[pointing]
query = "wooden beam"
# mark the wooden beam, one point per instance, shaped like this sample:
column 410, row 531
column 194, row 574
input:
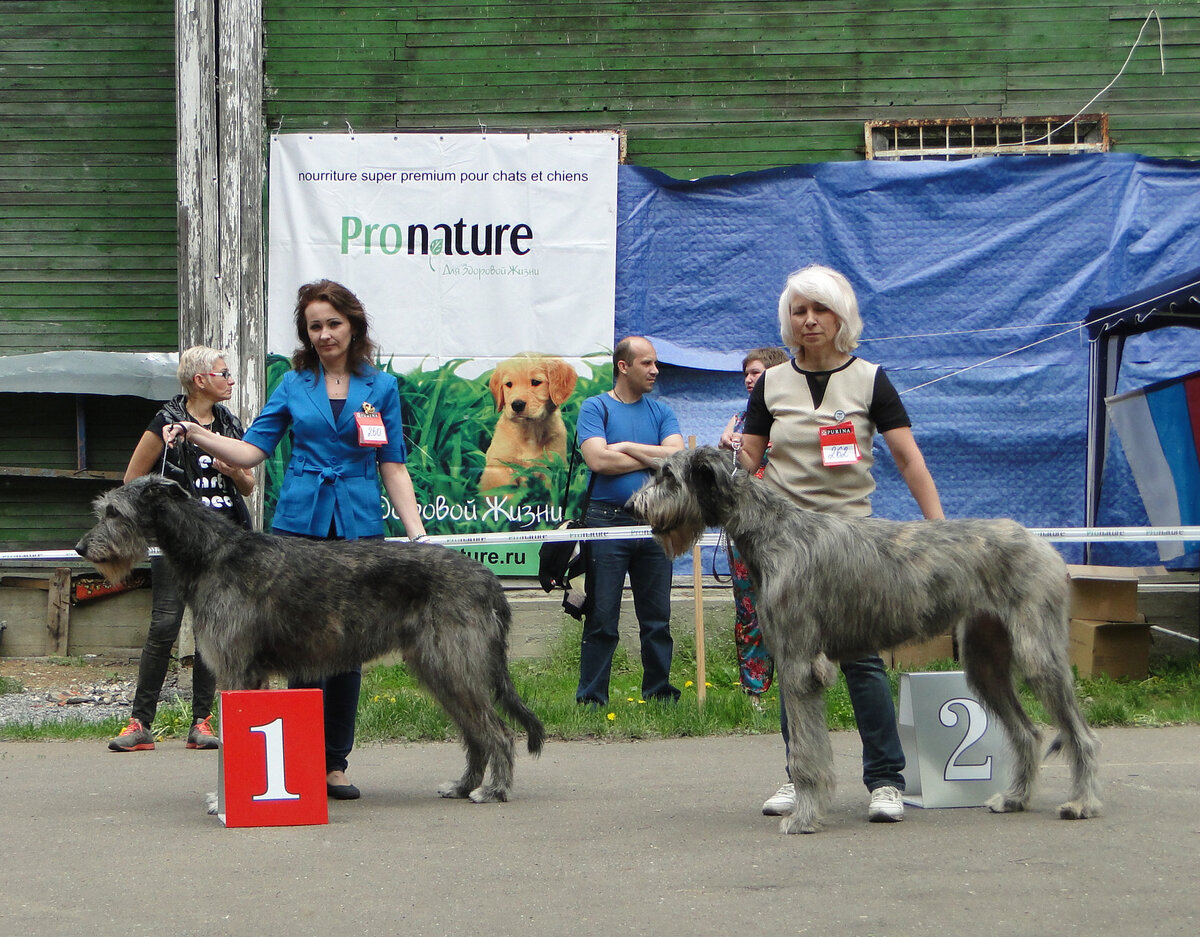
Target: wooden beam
column 58, row 611
column 220, row 156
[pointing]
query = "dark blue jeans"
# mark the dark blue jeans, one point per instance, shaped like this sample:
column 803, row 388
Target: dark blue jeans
column 871, row 698
column 340, row 703
column 339, row 699
column 166, row 615
column 649, row 571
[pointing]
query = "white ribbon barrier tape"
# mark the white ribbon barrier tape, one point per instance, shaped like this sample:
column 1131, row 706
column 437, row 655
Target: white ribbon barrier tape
column 1060, row 534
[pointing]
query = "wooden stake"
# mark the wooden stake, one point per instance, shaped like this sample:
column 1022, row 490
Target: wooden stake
column 58, row 611
column 698, row 598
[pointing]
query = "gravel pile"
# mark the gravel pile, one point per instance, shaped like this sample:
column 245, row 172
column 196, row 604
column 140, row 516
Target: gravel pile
column 86, row 702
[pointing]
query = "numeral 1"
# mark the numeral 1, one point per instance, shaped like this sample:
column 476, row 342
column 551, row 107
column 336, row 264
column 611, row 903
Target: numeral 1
column 272, row 734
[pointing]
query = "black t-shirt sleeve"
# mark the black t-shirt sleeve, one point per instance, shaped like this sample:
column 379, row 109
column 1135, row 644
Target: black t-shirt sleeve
column 887, row 410
column 157, row 424
column 758, row 417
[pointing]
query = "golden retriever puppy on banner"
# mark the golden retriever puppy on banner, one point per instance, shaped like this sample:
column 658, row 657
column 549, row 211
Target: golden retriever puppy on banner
column 528, row 389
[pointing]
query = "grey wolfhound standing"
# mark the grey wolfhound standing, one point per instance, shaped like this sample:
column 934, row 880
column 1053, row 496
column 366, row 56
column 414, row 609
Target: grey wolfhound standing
column 266, row 605
column 831, row 587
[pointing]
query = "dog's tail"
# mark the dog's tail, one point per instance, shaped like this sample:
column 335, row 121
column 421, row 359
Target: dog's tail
column 506, row 693
column 514, row 706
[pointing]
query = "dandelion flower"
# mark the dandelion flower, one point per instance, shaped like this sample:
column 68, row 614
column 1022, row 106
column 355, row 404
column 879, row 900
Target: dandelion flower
column 688, row 684
column 612, row 717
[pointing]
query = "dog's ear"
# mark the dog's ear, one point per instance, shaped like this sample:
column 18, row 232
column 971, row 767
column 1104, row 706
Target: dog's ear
column 708, row 472
column 496, row 386
column 159, row 486
column 562, row 380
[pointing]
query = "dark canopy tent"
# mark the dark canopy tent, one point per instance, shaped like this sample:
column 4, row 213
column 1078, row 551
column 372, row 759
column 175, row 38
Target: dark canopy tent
column 1175, row 301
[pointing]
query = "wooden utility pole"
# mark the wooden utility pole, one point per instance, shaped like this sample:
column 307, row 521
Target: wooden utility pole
column 219, row 81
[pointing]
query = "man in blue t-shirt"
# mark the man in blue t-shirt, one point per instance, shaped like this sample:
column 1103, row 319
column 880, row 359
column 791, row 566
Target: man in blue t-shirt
column 620, row 434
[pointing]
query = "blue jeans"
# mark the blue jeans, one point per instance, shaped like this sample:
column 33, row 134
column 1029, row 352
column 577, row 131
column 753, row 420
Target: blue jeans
column 340, row 702
column 166, row 616
column 339, row 697
column 649, row 572
column 875, row 713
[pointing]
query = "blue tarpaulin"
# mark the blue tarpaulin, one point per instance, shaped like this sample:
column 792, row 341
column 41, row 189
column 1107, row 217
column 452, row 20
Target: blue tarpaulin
column 974, row 275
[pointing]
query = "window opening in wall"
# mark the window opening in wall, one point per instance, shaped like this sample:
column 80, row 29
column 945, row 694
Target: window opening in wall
column 969, row 137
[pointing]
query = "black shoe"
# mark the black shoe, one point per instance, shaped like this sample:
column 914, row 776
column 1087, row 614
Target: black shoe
column 342, row 791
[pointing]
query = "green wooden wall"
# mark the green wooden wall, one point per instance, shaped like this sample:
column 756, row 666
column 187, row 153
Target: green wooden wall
column 87, row 236
column 87, row 175
column 87, row 130
column 718, row 87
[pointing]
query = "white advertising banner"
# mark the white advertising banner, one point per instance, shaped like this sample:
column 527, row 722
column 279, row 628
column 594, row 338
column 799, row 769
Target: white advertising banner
column 461, row 246
column 487, row 266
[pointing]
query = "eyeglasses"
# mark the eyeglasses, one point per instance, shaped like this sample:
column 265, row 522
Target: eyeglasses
column 227, row 374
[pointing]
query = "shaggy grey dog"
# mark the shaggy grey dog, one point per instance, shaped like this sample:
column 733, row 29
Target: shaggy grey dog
column 838, row 588
column 265, row 605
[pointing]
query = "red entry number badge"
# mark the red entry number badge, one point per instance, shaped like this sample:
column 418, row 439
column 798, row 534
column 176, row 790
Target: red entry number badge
column 371, row 431
column 838, row 445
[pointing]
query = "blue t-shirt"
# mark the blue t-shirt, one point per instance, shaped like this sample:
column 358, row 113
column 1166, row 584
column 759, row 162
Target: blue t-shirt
column 647, row 421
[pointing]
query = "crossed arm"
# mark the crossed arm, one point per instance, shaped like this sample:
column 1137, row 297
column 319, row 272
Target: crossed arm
column 619, row 458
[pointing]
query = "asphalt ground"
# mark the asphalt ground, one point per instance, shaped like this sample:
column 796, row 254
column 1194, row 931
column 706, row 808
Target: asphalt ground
column 652, row 837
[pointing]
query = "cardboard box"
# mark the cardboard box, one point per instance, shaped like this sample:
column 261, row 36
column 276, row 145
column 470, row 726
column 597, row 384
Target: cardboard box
column 1104, row 593
column 919, row 653
column 1118, row 649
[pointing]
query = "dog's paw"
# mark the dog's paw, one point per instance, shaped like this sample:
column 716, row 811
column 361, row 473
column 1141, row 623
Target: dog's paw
column 796, row 824
column 1079, row 810
column 210, row 803
column 451, row 789
column 998, row 803
column 825, row 673
column 488, row 795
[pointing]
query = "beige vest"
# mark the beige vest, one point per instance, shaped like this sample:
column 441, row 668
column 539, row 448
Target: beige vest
column 795, row 467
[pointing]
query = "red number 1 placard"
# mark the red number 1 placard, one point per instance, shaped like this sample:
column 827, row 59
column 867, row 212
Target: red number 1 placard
column 271, row 766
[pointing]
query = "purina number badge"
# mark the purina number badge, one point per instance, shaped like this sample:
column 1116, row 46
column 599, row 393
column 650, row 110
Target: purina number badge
column 838, row 444
column 371, row 431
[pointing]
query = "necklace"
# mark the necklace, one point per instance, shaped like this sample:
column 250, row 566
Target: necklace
column 618, row 396
column 200, row 422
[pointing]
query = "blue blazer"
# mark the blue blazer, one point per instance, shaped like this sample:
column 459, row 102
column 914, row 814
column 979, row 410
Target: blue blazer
column 330, row 476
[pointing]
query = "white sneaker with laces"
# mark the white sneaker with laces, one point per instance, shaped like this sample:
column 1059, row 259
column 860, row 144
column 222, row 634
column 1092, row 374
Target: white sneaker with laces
column 782, row 802
column 887, row 806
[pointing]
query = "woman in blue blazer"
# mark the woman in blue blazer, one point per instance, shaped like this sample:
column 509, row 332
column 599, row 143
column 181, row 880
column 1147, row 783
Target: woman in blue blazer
column 344, row 415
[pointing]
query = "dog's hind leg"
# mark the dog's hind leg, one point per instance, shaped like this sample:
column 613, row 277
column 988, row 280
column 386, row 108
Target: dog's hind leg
column 477, row 760
column 986, row 653
column 1055, row 688
column 499, row 743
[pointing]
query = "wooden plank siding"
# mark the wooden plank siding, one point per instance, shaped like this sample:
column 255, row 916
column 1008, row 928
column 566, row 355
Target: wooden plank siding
column 87, row 177
column 87, row 237
column 719, row 87
column 88, row 221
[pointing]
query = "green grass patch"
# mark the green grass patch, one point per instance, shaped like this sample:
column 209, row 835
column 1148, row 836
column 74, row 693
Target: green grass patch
column 394, row 708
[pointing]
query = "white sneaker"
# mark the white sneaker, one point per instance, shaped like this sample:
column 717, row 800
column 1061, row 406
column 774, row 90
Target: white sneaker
column 887, row 806
column 783, row 801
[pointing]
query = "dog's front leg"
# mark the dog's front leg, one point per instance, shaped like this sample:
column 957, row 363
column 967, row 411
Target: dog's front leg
column 810, row 755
